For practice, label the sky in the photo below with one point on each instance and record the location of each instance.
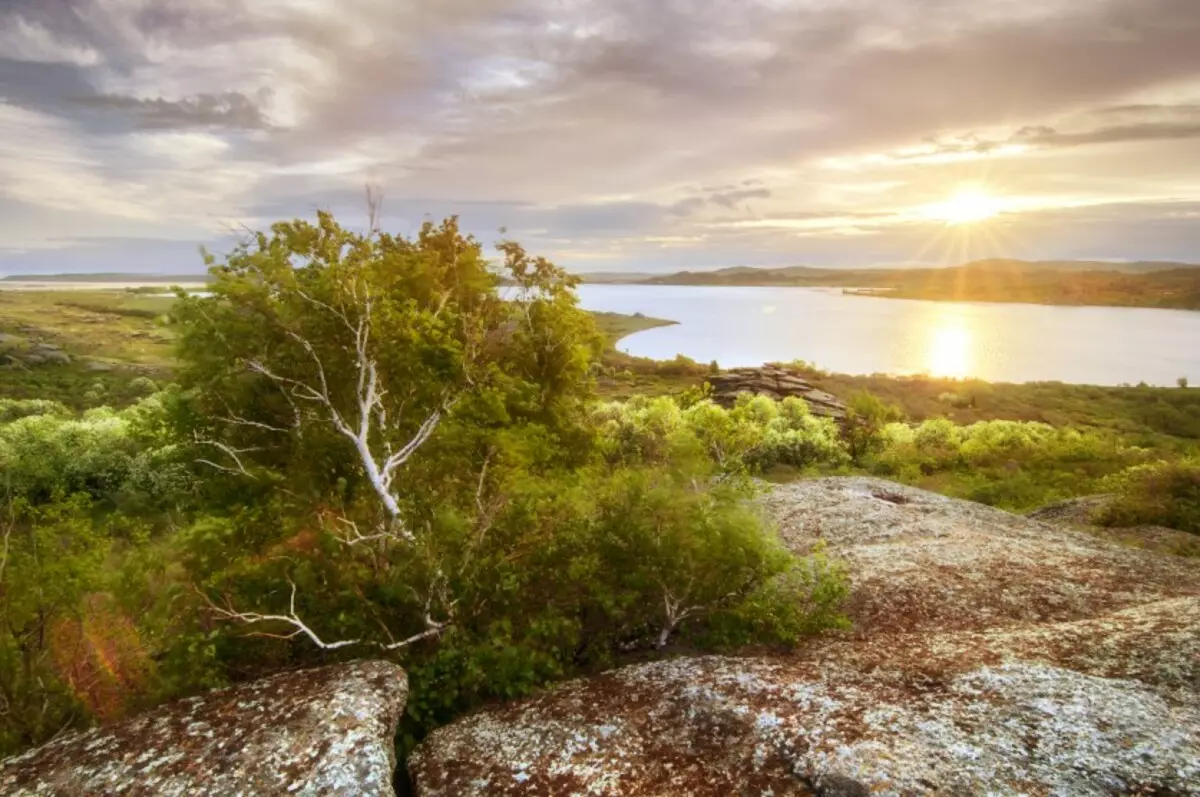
(608, 135)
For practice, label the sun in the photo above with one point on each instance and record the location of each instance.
(965, 207)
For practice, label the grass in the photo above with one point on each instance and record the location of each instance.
(124, 331)
(112, 337)
(614, 326)
(115, 336)
(1145, 415)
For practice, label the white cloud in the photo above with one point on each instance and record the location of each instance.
(22, 40)
(595, 126)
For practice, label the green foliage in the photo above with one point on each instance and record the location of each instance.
(51, 556)
(1161, 417)
(12, 409)
(1010, 464)
(754, 436)
(866, 416)
(104, 454)
(590, 564)
(401, 457)
(1156, 494)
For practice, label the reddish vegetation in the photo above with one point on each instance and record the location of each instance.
(101, 658)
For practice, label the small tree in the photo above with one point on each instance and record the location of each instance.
(324, 360)
(866, 416)
(1182, 382)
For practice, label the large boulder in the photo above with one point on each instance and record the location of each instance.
(991, 654)
(327, 731)
(774, 382)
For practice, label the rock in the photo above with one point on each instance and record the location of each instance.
(991, 654)
(96, 365)
(922, 561)
(1081, 513)
(776, 383)
(1076, 512)
(327, 731)
(55, 356)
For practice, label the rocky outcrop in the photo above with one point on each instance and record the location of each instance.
(991, 654)
(1083, 514)
(17, 355)
(1074, 512)
(326, 731)
(777, 383)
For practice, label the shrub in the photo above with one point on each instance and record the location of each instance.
(754, 436)
(403, 463)
(1159, 494)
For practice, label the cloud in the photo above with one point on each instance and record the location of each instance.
(617, 130)
(231, 109)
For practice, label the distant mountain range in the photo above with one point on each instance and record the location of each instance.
(876, 277)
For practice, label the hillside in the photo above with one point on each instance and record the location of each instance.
(1142, 284)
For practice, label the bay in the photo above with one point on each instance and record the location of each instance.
(739, 326)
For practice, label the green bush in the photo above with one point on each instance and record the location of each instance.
(1016, 465)
(754, 436)
(401, 461)
(1158, 494)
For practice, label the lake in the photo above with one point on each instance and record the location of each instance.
(863, 335)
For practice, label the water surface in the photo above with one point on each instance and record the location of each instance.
(863, 334)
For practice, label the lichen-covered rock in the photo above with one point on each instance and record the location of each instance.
(1083, 513)
(992, 654)
(327, 731)
(920, 560)
(777, 383)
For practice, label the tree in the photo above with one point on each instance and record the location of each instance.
(323, 361)
(866, 416)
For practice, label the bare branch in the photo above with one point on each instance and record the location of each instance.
(675, 614)
(229, 451)
(300, 628)
(249, 618)
(400, 457)
(354, 537)
(374, 207)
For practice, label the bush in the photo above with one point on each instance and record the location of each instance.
(1160, 494)
(1017, 465)
(752, 437)
(402, 462)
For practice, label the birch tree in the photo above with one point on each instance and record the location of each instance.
(325, 361)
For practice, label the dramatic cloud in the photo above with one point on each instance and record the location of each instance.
(614, 134)
(230, 109)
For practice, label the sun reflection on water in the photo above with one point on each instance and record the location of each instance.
(949, 349)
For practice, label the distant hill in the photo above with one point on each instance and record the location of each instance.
(1128, 267)
(167, 279)
(1068, 282)
(880, 277)
(614, 277)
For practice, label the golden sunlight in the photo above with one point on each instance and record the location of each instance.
(965, 207)
(949, 352)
